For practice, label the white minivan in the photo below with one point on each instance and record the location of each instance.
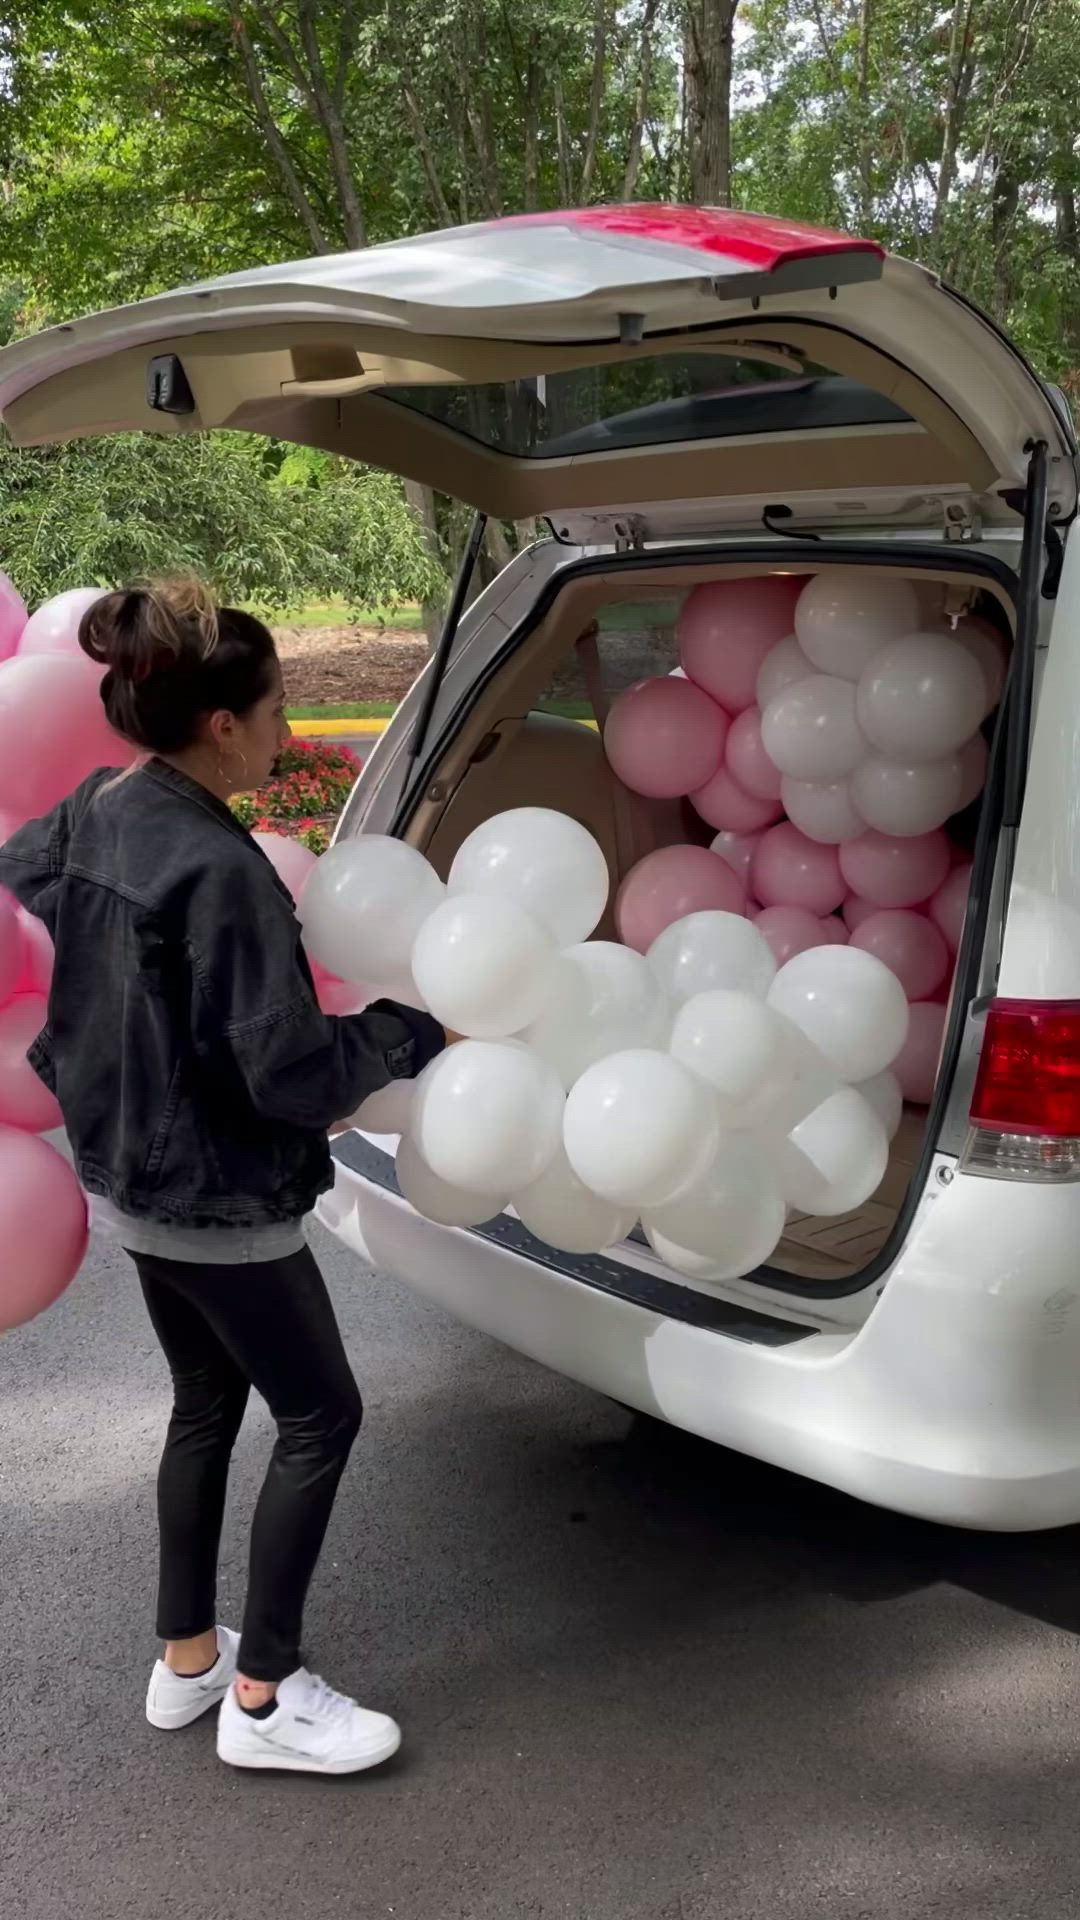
(671, 395)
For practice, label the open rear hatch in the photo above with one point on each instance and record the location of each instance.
(633, 374)
(696, 366)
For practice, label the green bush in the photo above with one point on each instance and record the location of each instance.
(270, 526)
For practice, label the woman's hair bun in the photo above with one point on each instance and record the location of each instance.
(173, 656)
(149, 629)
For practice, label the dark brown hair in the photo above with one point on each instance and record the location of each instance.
(173, 657)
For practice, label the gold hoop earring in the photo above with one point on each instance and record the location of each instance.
(225, 778)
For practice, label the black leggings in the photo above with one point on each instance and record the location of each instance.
(225, 1329)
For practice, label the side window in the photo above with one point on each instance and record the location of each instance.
(634, 640)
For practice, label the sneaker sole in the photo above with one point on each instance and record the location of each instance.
(171, 1719)
(284, 1763)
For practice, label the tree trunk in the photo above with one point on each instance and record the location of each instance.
(421, 503)
(562, 135)
(596, 96)
(709, 30)
(326, 100)
(641, 101)
(1005, 201)
(957, 88)
(275, 139)
(531, 88)
(866, 130)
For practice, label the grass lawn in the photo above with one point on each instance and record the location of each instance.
(335, 613)
(382, 709)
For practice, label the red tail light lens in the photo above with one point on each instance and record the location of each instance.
(1029, 1069)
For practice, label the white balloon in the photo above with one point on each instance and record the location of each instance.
(604, 998)
(810, 730)
(364, 905)
(564, 1213)
(695, 1266)
(485, 965)
(822, 810)
(711, 949)
(447, 1206)
(836, 1158)
(849, 1006)
(639, 1128)
(732, 1216)
(784, 1104)
(990, 651)
(921, 697)
(488, 1116)
(974, 759)
(388, 1110)
(884, 1095)
(542, 860)
(741, 1049)
(781, 668)
(904, 799)
(845, 615)
(737, 849)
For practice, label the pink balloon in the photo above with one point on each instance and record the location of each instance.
(855, 911)
(789, 930)
(738, 850)
(291, 861)
(727, 627)
(54, 628)
(916, 1064)
(948, 908)
(665, 737)
(746, 759)
(973, 763)
(667, 885)
(12, 617)
(11, 948)
(895, 873)
(833, 932)
(25, 1101)
(336, 996)
(789, 870)
(43, 1227)
(37, 955)
(723, 803)
(53, 731)
(909, 946)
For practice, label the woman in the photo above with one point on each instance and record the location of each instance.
(198, 1080)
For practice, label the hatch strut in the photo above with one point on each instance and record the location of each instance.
(1027, 633)
(440, 659)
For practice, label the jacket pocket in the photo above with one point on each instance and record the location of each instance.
(165, 1125)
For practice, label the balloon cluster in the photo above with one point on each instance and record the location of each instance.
(697, 1087)
(827, 729)
(52, 733)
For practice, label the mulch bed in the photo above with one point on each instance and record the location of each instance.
(335, 664)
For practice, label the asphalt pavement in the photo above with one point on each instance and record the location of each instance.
(640, 1679)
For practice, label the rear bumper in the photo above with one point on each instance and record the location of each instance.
(957, 1401)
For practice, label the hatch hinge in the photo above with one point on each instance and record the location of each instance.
(961, 521)
(630, 534)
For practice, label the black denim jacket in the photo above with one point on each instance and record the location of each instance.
(195, 1072)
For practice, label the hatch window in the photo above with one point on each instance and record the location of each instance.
(649, 402)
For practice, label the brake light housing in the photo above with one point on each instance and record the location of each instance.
(1025, 1111)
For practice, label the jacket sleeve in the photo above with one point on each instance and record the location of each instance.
(30, 859)
(255, 999)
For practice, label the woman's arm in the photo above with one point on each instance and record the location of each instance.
(254, 999)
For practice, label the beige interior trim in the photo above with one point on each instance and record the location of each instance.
(305, 384)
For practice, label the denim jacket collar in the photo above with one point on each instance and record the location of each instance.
(189, 789)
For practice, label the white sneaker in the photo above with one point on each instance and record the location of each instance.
(172, 1701)
(312, 1730)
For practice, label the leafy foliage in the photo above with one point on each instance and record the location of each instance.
(268, 526)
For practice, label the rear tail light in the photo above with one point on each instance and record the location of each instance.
(1025, 1114)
